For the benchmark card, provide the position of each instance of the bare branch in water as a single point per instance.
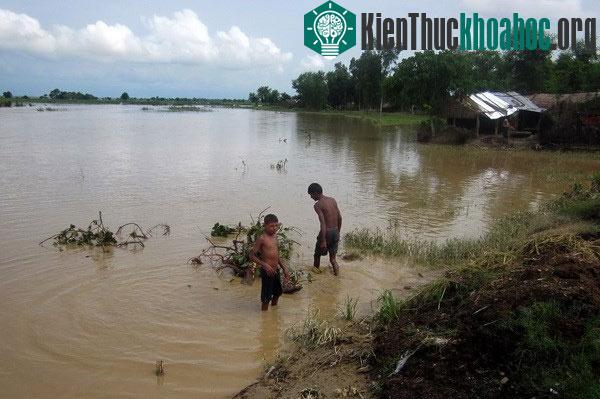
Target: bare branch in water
(134, 233)
(166, 229)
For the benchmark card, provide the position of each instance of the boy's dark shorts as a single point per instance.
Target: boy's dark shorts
(332, 238)
(270, 287)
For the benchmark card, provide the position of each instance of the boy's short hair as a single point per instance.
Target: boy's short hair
(315, 188)
(270, 218)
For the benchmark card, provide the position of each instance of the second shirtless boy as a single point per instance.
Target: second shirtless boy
(266, 253)
(330, 220)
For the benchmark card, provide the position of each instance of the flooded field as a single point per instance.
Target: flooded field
(84, 323)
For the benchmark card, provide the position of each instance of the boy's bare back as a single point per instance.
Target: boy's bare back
(331, 214)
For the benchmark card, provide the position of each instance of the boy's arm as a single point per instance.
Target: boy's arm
(323, 242)
(286, 271)
(339, 218)
(254, 258)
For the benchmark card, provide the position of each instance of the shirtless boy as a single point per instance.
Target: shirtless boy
(330, 220)
(266, 254)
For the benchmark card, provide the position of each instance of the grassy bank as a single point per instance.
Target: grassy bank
(383, 119)
(498, 244)
(516, 315)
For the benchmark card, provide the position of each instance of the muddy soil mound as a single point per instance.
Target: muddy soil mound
(339, 369)
(529, 330)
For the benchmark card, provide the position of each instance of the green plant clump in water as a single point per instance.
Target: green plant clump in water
(314, 331)
(187, 108)
(236, 255)
(348, 311)
(98, 235)
(220, 230)
(76, 236)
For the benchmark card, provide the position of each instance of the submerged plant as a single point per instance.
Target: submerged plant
(235, 256)
(314, 331)
(348, 311)
(220, 230)
(98, 235)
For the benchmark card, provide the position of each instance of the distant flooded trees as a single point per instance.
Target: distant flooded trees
(267, 96)
(57, 94)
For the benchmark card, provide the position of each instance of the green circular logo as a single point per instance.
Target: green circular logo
(329, 29)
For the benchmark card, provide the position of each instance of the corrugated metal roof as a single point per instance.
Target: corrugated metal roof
(498, 104)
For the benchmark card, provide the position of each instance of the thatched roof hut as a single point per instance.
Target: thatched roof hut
(551, 101)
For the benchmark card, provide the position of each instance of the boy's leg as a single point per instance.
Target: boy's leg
(317, 257)
(273, 301)
(317, 262)
(266, 290)
(334, 264)
(277, 289)
(333, 240)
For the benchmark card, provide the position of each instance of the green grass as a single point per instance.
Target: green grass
(314, 331)
(498, 243)
(552, 359)
(581, 202)
(389, 308)
(348, 310)
(383, 119)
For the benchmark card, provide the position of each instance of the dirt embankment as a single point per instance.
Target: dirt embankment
(532, 330)
(337, 369)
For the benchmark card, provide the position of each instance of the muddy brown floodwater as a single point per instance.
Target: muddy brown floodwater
(83, 323)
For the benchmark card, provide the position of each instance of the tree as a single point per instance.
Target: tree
(263, 94)
(7, 94)
(339, 86)
(54, 93)
(312, 90)
(272, 97)
(253, 98)
(529, 70)
(387, 59)
(124, 96)
(366, 74)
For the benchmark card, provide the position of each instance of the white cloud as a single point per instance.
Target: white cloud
(20, 31)
(312, 62)
(181, 38)
(527, 8)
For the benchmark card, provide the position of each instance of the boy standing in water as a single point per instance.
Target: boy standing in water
(330, 220)
(266, 253)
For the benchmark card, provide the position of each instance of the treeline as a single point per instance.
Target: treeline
(58, 95)
(427, 80)
(267, 96)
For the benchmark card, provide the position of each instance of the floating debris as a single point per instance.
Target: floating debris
(97, 235)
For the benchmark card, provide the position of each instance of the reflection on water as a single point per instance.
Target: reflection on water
(87, 323)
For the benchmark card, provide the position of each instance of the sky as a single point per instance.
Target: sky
(193, 48)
